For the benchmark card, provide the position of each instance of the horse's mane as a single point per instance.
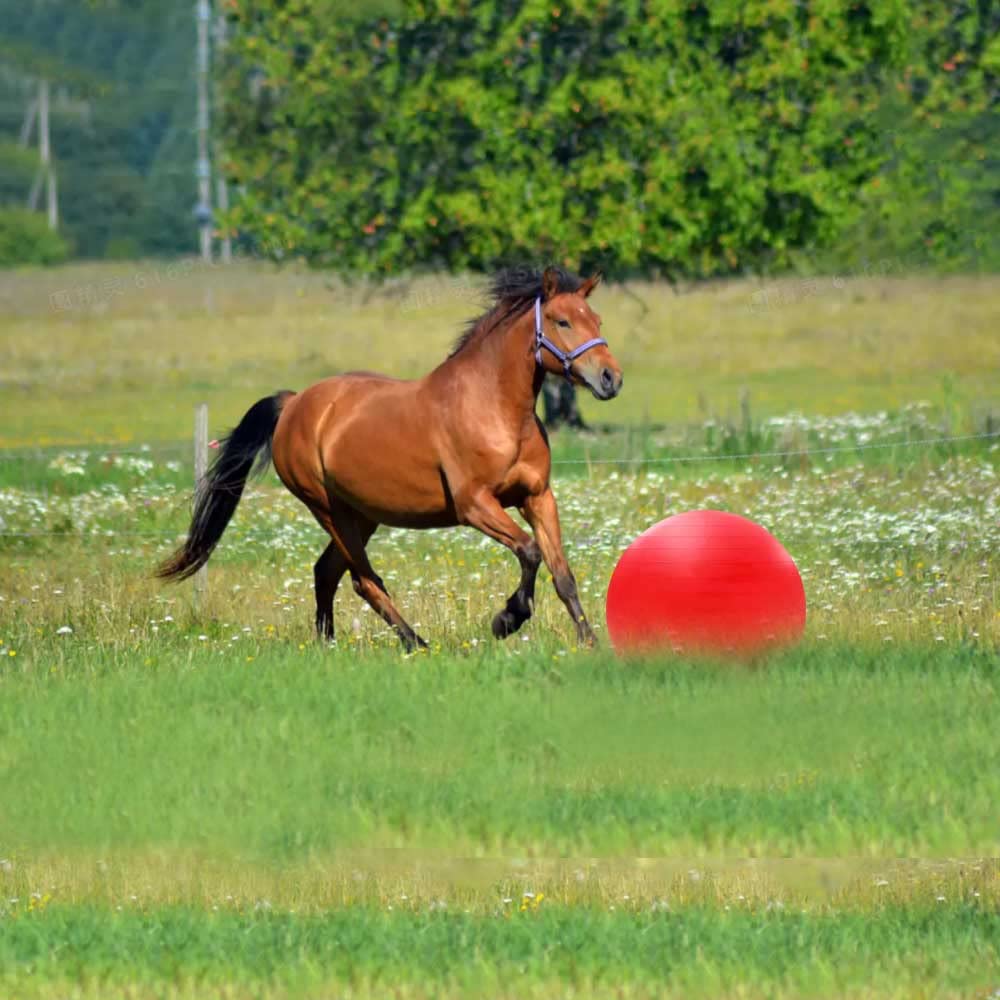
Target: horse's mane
(511, 292)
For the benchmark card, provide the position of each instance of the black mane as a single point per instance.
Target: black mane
(512, 292)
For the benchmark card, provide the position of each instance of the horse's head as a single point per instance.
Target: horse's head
(568, 337)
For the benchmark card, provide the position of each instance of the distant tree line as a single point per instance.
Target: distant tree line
(121, 122)
(644, 136)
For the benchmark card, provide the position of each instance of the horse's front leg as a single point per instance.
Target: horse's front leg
(520, 604)
(482, 510)
(542, 514)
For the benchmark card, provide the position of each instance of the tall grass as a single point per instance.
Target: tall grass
(127, 360)
(547, 952)
(292, 753)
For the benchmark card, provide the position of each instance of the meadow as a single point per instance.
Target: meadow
(200, 800)
(129, 349)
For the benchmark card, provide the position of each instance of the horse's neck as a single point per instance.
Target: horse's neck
(502, 363)
(509, 364)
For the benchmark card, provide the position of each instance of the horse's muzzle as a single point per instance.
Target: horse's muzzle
(605, 383)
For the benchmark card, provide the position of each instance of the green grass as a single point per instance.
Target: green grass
(548, 952)
(827, 752)
(196, 800)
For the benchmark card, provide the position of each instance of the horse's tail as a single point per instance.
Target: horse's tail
(220, 491)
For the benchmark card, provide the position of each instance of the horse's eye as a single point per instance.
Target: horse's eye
(563, 322)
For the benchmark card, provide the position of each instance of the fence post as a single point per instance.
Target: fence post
(200, 469)
(746, 419)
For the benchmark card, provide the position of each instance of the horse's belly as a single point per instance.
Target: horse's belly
(392, 487)
(394, 504)
(409, 519)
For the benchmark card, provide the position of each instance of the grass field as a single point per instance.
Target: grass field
(365, 952)
(130, 349)
(201, 801)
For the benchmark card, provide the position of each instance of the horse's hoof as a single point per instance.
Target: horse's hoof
(506, 623)
(412, 643)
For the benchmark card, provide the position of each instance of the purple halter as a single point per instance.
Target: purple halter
(567, 359)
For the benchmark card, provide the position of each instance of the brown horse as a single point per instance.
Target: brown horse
(455, 447)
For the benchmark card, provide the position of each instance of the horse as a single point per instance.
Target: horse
(459, 446)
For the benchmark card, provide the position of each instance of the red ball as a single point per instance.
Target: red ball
(705, 582)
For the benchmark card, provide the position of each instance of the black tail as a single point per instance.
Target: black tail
(220, 491)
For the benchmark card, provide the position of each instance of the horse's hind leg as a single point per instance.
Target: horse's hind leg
(368, 585)
(350, 533)
(327, 574)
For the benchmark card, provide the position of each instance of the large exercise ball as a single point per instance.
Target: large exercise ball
(705, 581)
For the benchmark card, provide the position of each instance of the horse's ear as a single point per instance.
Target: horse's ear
(590, 284)
(550, 283)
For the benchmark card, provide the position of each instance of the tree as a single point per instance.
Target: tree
(655, 138)
(120, 74)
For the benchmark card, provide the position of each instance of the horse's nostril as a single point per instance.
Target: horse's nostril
(607, 379)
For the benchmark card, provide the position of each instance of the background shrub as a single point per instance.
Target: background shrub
(25, 238)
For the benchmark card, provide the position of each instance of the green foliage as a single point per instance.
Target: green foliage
(121, 76)
(302, 750)
(25, 238)
(937, 949)
(934, 201)
(18, 169)
(661, 137)
(18, 162)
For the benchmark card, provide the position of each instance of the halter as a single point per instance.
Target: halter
(567, 359)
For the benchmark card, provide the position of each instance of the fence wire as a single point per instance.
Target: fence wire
(790, 453)
(111, 536)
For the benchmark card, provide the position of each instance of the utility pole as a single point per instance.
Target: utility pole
(26, 126)
(221, 187)
(45, 173)
(204, 168)
(30, 114)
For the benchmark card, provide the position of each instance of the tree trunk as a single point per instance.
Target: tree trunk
(560, 405)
